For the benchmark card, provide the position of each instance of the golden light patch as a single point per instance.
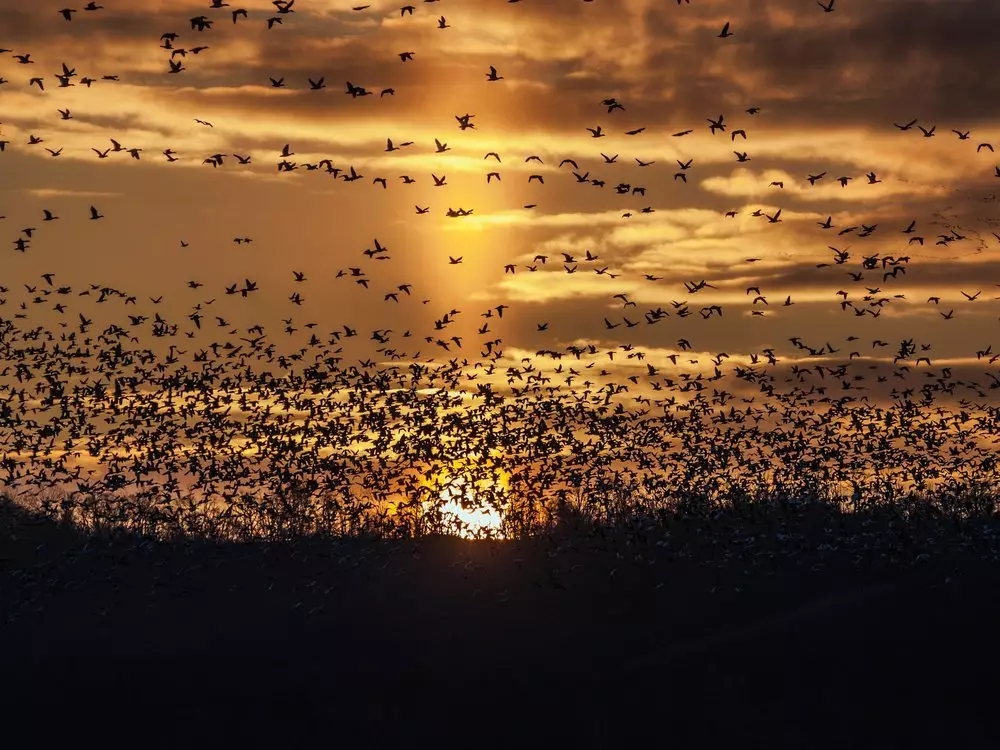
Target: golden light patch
(470, 497)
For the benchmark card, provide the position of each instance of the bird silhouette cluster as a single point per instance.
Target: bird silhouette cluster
(117, 407)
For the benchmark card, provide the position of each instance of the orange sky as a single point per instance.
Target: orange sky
(829, 87)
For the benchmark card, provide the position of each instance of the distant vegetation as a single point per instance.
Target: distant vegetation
(300, 514)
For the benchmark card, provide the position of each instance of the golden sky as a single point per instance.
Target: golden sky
(802, 92)
(829, 87)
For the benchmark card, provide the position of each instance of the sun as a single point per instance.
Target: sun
(464, 514)
(467, 496)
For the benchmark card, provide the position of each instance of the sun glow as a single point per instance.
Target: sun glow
(467, 498)
(462, 515)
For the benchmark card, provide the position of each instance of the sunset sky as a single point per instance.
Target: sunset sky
(829, 86)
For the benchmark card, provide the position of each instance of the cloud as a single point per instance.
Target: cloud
(60, 193)
(829, 87)
(745, 183)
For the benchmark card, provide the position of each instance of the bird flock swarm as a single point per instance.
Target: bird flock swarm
(163, 413)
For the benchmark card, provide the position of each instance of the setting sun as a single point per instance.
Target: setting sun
(465, 514)
(470, 496)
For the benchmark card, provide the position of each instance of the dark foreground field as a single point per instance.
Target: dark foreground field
(724, 633)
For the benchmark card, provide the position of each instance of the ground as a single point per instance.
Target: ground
(570, 640)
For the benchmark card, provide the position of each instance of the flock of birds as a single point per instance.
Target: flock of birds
(184, 420)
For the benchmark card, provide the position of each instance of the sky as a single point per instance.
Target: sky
(802, 92)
